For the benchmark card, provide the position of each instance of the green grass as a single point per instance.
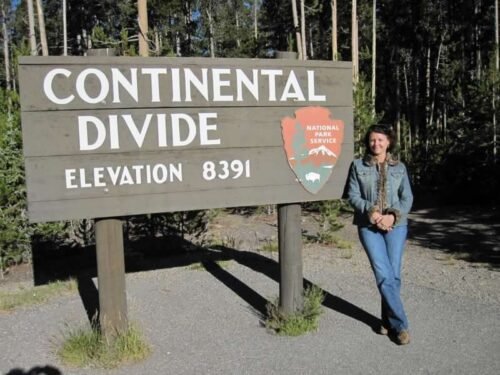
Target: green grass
(199, 265)
(270, 246)
(329, 238)
(87, 347)
(301, 322)
(10, 300)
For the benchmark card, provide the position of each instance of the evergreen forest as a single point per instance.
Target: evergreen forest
(428, 68)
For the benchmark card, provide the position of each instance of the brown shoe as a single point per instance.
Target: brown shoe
(381, 330)
(403, 337)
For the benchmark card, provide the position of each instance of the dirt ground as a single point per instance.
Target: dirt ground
(201, 310)
(452, 249)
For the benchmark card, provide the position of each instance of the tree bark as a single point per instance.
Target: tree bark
(436, 71)
(238, 41)
(31, 21)
(354, 44)
(41, 27)
(297, 32)
(255, 29)
(398, 106)
(142, 7)
(476, 40)
(157, 42)
(374, 53)
(211, 30)
(495, 89)
(65, 30)
(6, 52)
(334, 30)
(303, 29)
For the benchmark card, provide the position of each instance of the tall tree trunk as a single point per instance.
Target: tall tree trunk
(477, 46)
(436, 74)
(374, 53)
(238, 41)
(354, 44)
(296, 27)
(157, 42)
(303, 29)
(311, 45)
(178, 51)
(495, 89)
(65, 30)
(398, 105)
(334, 30)
(408, 106)
(211, 30)
(31, 21)
(142, 8)
(445, 121)
(255, 29)
(6, 52)
(428, 87)
(188, 16)
(41, 27)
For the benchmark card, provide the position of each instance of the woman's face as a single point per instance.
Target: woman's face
(378, 143)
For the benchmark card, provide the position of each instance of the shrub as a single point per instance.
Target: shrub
(301, 322)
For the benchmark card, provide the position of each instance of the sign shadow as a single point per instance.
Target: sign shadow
(271, 269)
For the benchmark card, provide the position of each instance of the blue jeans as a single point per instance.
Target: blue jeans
(385, 252)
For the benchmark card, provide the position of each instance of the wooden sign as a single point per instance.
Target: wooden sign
(115, 136)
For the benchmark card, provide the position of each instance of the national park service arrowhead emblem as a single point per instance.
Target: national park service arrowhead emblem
(313, 143)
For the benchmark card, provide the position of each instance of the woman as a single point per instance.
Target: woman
(380, 192)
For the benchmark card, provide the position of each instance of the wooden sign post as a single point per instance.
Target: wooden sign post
(290, 257)
(111, 276)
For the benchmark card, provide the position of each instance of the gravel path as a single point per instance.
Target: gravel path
(205, 320)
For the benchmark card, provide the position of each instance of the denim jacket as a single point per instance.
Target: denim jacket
(362, 191)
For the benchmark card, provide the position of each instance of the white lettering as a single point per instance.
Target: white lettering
(126, 177)
(156, 173)
(83, 182)
(176, 133)
(114, 141)
(162, 129)
(136, 134)
(205, 127)
(292, 83)
(155, 81)
(81, 88)
(83, 122)
(98, 176)
(272, 73)
(176, 85)
(311, 88)
(201, 86)
(114, 173)
(175, 171)
(252, 86)
(70, 177)
(138, 169)
(122, 175)
(47, 86)
(120, 80)
(218, 83)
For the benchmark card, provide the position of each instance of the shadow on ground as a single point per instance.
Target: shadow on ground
(37, 370)
(470, 233)
(82, 267)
